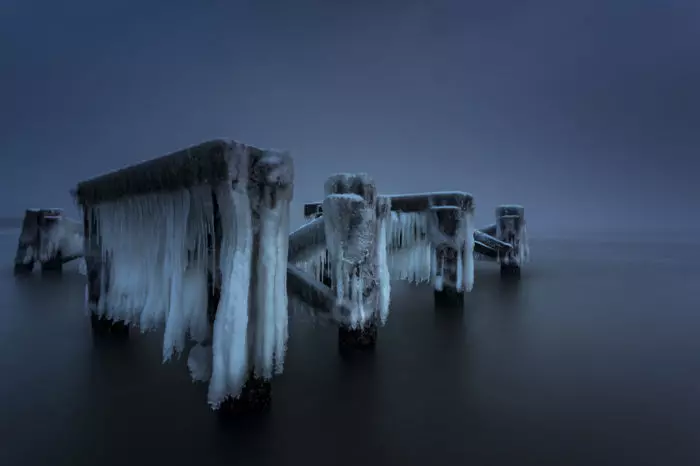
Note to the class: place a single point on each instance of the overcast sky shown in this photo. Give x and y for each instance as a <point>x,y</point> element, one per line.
<point>586,112</point>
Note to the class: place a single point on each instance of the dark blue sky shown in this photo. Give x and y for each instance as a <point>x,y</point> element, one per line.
<point>585,106</point>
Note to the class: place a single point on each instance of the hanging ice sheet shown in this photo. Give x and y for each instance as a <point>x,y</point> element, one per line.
<point>155,261</point>
<point>410,250</point>
<point>452,234</point>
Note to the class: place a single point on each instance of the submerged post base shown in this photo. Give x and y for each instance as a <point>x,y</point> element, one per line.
<point>362,338</point>
<point>255,398</point>
<point>102,327</point>
<point>54,265</point>
<point>510,271</point>
<point>24,269</point>
<point>449,298</point>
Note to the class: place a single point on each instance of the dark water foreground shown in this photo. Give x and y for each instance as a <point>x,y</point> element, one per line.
<point>594,358</point>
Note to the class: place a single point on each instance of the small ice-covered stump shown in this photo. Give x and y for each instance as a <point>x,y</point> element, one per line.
<point>28,243</point>
<point>511,228</point>
<point>356,233</point>
<point>42,240</point>
<point>451,233</point>
<point>196,242</point>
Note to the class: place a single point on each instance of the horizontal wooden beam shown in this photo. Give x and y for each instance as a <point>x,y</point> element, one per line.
<point>203,163</point>
<point>484,250</point>
<point>315,294</point>
<point>307,239</point>
<point>417,202</point>
<point>492,242</point>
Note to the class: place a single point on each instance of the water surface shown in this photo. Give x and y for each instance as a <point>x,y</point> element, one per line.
<point>593,358</point>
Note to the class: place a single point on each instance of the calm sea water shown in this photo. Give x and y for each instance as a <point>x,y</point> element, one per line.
<point>593,358</point>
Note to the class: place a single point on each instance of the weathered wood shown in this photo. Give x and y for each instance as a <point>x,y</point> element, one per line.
<point>448,242</point>
<point>47,221</point>
<point>358,245</point>
<point>316,295</point>
<point>28,243</point>
<point>307,240</point>
<point>204,163</point>
<point>492,242</point>
<point>510,223</point>
<point>418,202</point>
<point>485,250</point>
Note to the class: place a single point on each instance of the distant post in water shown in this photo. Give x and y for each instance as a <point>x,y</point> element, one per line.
<point>451,233</point>
<point>41,240</point>
<point>511,228</point>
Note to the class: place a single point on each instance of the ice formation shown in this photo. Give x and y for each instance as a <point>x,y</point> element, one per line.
<point>271,325</point>
<point>410,249</point>
<point>384,220</point>
<point>512,229</point>
<point>199,362</point>
<point>308,248</point>
<point>64,236</point>
<point>159,250</point>
<point>350,236</point>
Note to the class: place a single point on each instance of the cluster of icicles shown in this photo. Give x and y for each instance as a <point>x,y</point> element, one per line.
<point>158,254</point>
<point>405,248</point>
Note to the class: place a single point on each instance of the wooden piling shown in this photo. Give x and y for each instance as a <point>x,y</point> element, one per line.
<point>448,243</point>
<point>510,228</point>
<point>28,243</point>
<point>47,221</point>
<point>358,243</point>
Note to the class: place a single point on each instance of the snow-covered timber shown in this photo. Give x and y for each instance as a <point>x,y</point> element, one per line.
<point>430,236</point>
<point>414,231</point>
<point>355,223</point>
<point>486,245</point>
<point>49,238</point>
<point>511,228</point>
<point>204,226</point>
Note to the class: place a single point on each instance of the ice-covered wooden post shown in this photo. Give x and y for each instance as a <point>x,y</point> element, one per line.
<point>356,244</point>
<point>28,244</point>
<point>451,233</point>
<point>40,241</point>
<point>204,226</point>
<point>511,229</point>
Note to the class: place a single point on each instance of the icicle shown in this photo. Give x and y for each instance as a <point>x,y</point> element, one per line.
<point>199,363</point>
<point>467,254</point>
<point>281,298</point>
<point>230,344</point>
<point>267,325</point>
<point>410,256</point>
<point>384,225</point>
<point>175,263</point>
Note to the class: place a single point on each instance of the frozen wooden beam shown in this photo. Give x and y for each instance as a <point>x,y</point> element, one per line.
<point>489,229</point>
<point>315,295</point>
<point>492,242</point>
<point>206,163</point>
<point>418,202</point>
<point>485,251</point>
<point>307,240</point>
